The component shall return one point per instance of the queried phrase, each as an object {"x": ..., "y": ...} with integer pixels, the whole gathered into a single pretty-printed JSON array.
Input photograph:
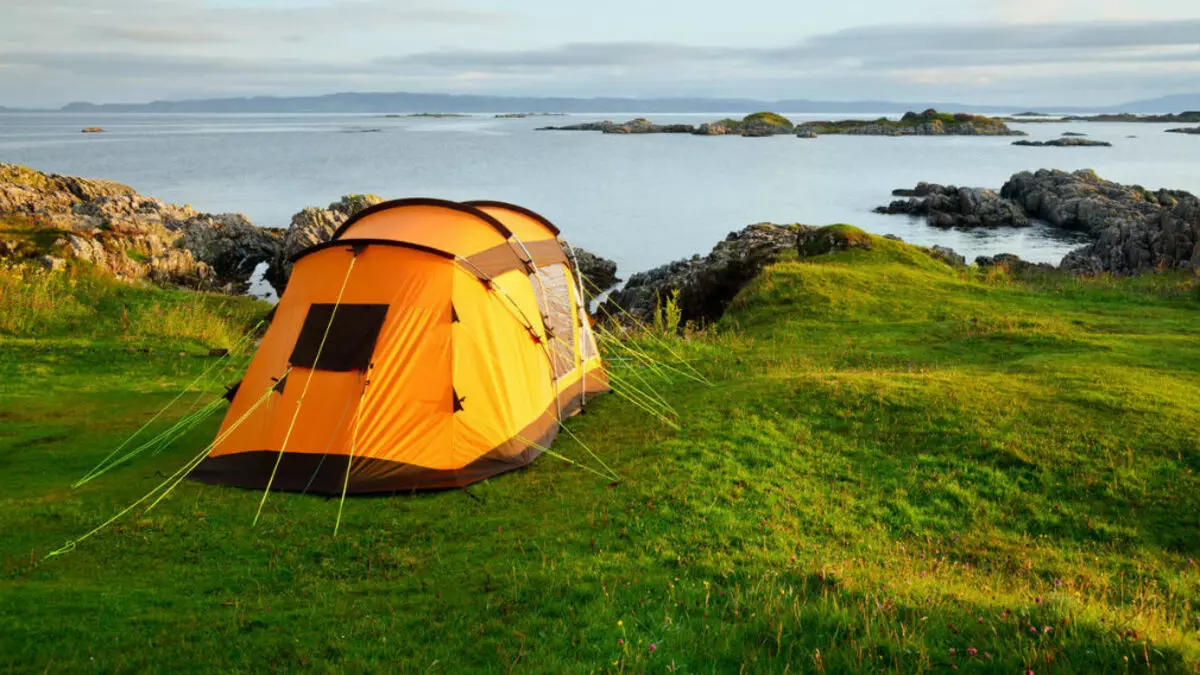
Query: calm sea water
[{"x": 641, "y": 200}]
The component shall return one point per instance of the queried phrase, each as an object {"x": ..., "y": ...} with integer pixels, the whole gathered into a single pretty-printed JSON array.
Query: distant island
[
  {"x": 416, "y": 102},
  {"x": 424, "y": 114},
  {"x": 1068, "y": 142},
  {"x": 511, "y": 116},
  {"x": 761, "y": 124},
  {"x": 1183, "y": 117},
  {"x": 1184, "y": 130}
]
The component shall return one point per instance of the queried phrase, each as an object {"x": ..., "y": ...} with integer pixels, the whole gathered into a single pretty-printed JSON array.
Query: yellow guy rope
[
  {"x": 350, "y": 462},
  {"x": 170, "y": 483}
]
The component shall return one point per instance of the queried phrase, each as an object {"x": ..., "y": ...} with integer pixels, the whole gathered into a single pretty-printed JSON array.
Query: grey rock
[
  {"x": 599, "y": 274},
  {"x": 312, "y": 226},
  {"x": 634, "y": 126},
  {"x": 52, "y": 263},
  {"x": 1183, "y": 130},
  {"x": 948, "y": 206},
  {"x": 132, "y": 236},
  {"x": 948, "y": 256},
  {"x": 706, "y": 284},
  {"x": 712, "y": 129},
  {"x": 1065, "y": 143},
  {"x": 1012, "y": 263},
  {"x": 1134, "y": 229},
  {"x": 814, "y": 241}
]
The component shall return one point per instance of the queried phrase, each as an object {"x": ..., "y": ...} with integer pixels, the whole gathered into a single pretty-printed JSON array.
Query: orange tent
[{"x": 429, "y": 344}]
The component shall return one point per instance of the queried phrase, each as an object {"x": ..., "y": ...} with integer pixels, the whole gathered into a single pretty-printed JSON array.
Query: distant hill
[{"x": 399, "y": 102}]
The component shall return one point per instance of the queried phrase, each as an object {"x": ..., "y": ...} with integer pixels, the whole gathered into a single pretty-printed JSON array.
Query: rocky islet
[{"x": 1133, "y": 230}]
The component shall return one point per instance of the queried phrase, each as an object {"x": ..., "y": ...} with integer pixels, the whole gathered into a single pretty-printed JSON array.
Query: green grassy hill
[{"x": 899, "y": 467}]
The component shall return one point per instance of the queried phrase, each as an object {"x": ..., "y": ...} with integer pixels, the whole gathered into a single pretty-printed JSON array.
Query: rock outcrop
[
  {"x": 1184, "y": 130},
  {"x": 1183, "y": 117},
  {"x": 599, "y": 274},
  {"x": 313, "y": 225},
  {"x": 635, "y": 126},
  {"x": 1068, "y": 142},
  {"x": 754, "y": 125},
  {"x": 1133, "y": 229},
  {"x": 950, "y": 206},
  {"x": 707, "y": 284},
  {"x": 927, "y": 123},
  {"x": 1012, "y": 263},
  {"x": 130, "y": 235}
]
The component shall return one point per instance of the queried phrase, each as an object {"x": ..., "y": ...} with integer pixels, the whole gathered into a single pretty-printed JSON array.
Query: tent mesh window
[
  {"x": 587, "y": 349},
  {"x": 552, "y": 280},
  {"x": 353, "y": 330}
]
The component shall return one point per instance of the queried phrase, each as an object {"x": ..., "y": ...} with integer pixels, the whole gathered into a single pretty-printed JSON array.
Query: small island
[
  {"x": 762, "y": 124},
  {"x": 518, "y": 116},
  {"x": 1068, "y": 142},
  {"x": 1188, "y": 117},
  {"x": 1185, "y": 130},
  {"x": 928, "y": 123},
  {"x": 423, "y": 114},
  {"x": 92, "y": 130}
]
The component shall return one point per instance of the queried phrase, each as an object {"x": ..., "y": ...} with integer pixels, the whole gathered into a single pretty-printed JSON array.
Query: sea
[{"x": 642, "y": 200}]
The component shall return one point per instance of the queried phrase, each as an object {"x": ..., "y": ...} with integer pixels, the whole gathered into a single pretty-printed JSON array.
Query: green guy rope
[{"x": 304, "y": 391}]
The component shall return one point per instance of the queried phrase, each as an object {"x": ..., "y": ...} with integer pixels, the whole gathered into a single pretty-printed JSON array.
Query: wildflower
[
  {"x": 1029, "y": 671},
  {"x": 971, "y": 651},
  {"x": 620, "y": 641},
  {"x": 952, "y": 651},
  {"x": 653, "y": 647},
  {"x": 1047, "y": 629},
  {"x": 1033, "y": 630},
  {"x": 620, "y": 623},
  {"x": 1058, "y": 582},
  {"x": 1038, "y": 600}
]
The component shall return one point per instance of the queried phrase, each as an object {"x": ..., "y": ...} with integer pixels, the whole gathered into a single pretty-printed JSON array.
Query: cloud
[
  {"x": 185, "y": 46},
  {"x": 951, "y": 44}
]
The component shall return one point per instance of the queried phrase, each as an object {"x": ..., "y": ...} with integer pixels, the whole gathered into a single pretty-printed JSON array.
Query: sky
[{"x": 1001, "y": 52}]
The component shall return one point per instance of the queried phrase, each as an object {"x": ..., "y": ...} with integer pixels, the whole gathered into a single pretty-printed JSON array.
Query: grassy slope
[{"x": 896, "y": 460}]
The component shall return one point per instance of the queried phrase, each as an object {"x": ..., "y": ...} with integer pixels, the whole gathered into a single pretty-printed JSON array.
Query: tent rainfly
[{"x": 429, "y": 344}]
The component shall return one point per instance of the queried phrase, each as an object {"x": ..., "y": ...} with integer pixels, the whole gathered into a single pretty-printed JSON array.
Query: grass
[
  {"x": 899, "y": 467},
  {"x": 87, "y": 307}
]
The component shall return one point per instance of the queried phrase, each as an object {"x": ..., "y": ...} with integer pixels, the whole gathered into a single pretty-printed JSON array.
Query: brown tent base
[{"x": 326, "y": 474}]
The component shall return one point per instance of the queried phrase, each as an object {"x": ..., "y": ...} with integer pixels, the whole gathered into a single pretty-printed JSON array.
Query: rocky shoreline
[
  {"x": 762, "y": 124},
  {"x": 1134, "y": 230},
  {"x": 56, "y": 221}
]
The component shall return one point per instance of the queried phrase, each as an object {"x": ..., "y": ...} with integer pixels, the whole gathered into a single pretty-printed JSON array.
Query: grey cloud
[
  {"x": 159, "y": 36},
  {"x": 571, "y": 55},
  {"x": 1004, "y": 37},
  {"x": 129, "y": 65},
  {"x": 943, "y": 45}
]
